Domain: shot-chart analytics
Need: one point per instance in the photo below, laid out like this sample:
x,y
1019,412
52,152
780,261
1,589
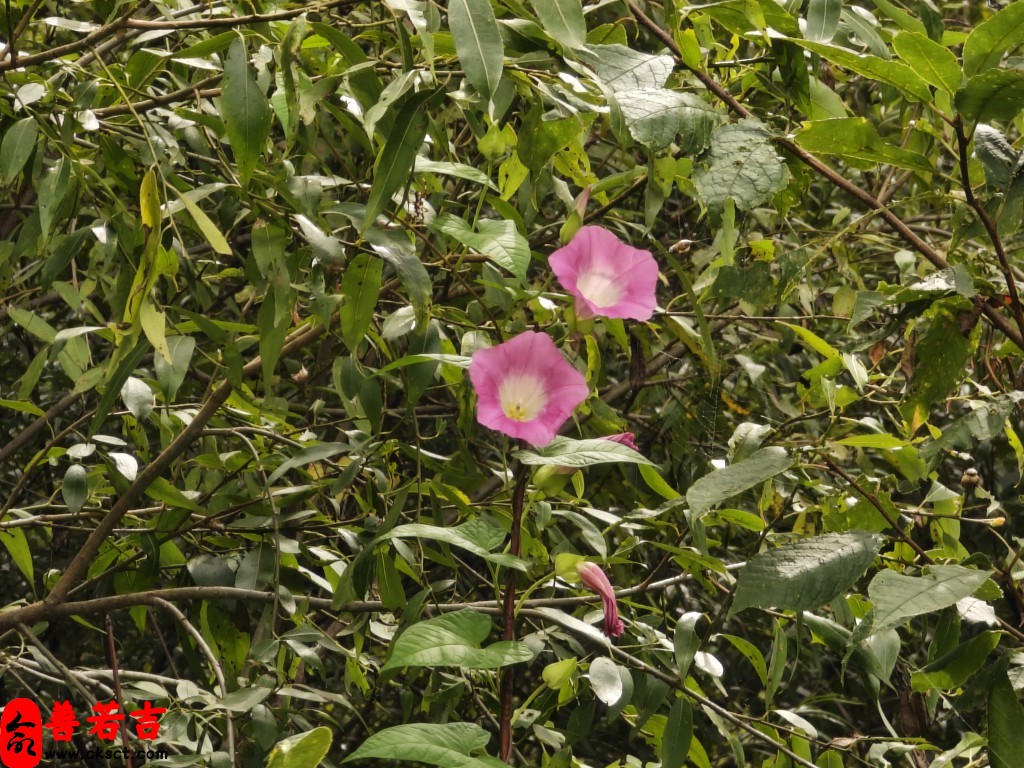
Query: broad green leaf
x,y
453,640
474,536
941,355
448,745
656,116
247,114
675,743
996,154
1005,725
997,94
897,597
823,19
458,170
605,680
16,149
954,669
138,397
563,20
478,43
34,324
16,543
558,673
22,406
935,63
856,139
394,165
986,44
893,73
360,285
75,488
805,574
210,231
497,239
541,139
326,247
566,452
622,68
307,456
725,483
171,374
742,165
303,750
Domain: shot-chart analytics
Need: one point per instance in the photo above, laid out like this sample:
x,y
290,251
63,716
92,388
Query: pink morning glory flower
x,y
525,388
607,276
594,577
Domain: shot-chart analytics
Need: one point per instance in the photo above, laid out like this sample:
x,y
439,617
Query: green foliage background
x,y
247,249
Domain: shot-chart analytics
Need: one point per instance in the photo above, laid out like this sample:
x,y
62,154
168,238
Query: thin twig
x,y
118,695
522,475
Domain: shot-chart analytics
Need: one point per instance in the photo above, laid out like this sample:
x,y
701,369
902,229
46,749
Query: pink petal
x,y
627,439
619,280
595,578
551,382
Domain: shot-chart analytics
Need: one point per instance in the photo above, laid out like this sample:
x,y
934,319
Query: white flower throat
x,y
601,289
522,396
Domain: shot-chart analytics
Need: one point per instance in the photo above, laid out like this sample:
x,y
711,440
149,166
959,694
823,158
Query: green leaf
x,y
19,141
210,231
941,356
1005,725
499,240
307,456
997,156
823,19
474,536
303,750
247,114
396,249
478,43
16,543
885,442
805,574
856,139
621,68
897,597
894,73
935,63
656,116
244,700
171,374
453,640
541,139
953,669
563,21
326,247
997,94
685,642
742,165
360,285
154,324
394,164
986,44
448,746
75,488
725,483
34,324
566,452
675,743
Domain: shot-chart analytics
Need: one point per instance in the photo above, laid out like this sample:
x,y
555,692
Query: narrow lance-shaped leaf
x,y
563,20
477,42
986,44
1005,725
725,483
247,114
566,452
360,285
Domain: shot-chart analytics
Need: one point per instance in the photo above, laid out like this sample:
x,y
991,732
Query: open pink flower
x,y
594,577
606,276
525,388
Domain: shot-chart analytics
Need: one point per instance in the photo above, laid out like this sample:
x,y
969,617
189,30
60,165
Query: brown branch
x,y
895,222
990,227
213,22
522,475
200,90
30,431
90,40
118,696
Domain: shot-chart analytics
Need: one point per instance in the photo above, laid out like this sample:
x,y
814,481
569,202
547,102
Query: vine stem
x,y
521,473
